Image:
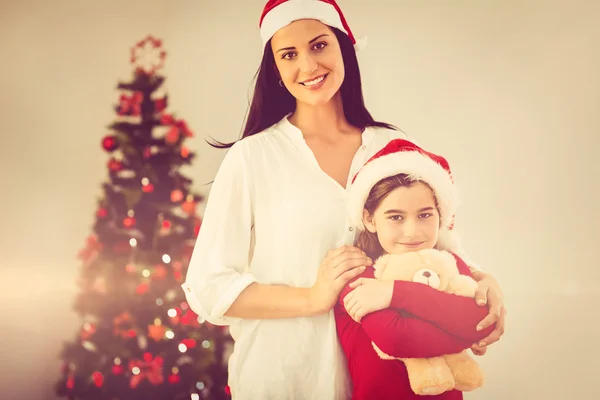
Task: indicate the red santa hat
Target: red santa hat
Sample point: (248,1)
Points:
(403,157)
(280,13)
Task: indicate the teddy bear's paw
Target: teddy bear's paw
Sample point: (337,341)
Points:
(434,389)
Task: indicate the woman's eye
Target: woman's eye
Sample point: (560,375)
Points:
(288,56)
(396,217)
(320,46)
(425,215)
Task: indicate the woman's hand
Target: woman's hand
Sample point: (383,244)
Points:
(489,293)
(368,295)
(339,266)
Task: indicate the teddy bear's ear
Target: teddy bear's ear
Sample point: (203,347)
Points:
(380,265)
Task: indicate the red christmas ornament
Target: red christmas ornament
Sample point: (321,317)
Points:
(131,333)
(142,288)
(129,222)
(109,143)
(185,152)
(70,381)
(114,165)
(98,378)
(160,104)
(166,224)
(189,207)
(174,378)
(159,272)
(131,105)
(176,196)
(189,343)
(166,119)
(102,212)
(178,276)
(149,188)
(228,390)
(117,369)
(172,136)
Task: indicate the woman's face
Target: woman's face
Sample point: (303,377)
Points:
(406,220)
(309,60)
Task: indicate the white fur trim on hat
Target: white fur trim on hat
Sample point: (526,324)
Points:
(417,166)
(293,10)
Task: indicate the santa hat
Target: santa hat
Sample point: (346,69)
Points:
(280,13)
(403,157)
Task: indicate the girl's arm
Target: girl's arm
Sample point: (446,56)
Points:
(397,335)
(455,314)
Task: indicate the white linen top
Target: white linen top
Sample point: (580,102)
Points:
(271,216)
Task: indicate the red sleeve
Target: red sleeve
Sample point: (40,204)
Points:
(455,314)
(401,336)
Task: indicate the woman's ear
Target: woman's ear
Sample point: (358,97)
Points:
(369,222)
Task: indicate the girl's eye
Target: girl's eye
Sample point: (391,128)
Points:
(396,217)
(425,215)
(288,56)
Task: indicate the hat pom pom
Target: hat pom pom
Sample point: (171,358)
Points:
(449,240)
(360,44)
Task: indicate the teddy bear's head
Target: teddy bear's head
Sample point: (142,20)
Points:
(435,268)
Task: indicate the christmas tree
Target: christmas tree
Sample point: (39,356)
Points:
(138,337)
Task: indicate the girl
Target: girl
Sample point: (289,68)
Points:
(275,250)
(402,200)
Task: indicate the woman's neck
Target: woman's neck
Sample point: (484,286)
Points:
(324,120)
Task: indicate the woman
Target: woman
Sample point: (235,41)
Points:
(275,248)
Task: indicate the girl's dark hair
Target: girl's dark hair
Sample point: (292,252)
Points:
(271,102)
(367,241)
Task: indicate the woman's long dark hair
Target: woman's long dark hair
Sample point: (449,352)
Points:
(271,102)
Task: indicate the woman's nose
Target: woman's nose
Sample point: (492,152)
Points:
(308,65)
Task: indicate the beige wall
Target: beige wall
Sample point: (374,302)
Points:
(507,90)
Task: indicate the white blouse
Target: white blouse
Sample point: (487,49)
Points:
(271,216)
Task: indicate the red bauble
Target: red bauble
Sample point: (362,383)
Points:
(189,343)
(142,288)
(109,143)
(176,196)
(117,369)
(149,188)
(174,378)
(228,390)
(114,165)
(129,222)
(172,136)
(185,152)
(98,378)
(166,119)
(102,212)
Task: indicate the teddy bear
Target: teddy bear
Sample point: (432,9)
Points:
(438,269)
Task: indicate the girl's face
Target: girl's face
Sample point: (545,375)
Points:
(309,60)
(406,220)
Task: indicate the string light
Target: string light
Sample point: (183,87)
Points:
(132,242)
(146,273)
(195,396)
(206,344)
(166,258)
(159,302)
(200,385)
(172,313)
(169,334)
(182,347)
(145,181)
(135,370)
(117,361)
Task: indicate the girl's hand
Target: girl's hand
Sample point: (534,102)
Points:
(337,269)
(368,295)
(489,293)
